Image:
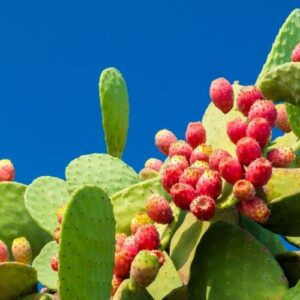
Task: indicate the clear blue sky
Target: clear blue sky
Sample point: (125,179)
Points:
(52,52)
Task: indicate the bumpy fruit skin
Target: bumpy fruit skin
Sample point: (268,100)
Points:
(147,173)
(180,148)
(170,176)
(160,256)
(243,190)
(200,164)
(56,234)
(191,175)
(115,283)
(263,109)
(7,170)
(60,213)
(21,250)
(281,157)
(216,157)
(154,164)
(163,140)
(221,94)
(120,239)
(231,170)
(210,184)
(203,207)
(182,195)
(130,246)
(282,121)
(4,253)
(236,129)
(54,263)
(255,209)
(201,152)
(159,209)
(139,219)
(246,97)
(147,237)
(195,134)
(247,150)
(260,130)
(259,172)
(144,269)
(178,161)
(295,56)
(122,264)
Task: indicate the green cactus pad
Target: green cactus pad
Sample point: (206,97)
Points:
(102,170)
(43,197)
(46,275)
(15,221)
(293,293)
(230,264)
(115,110)
(36,296)
(286,140)
(293,116)
(179,293)
(16,280)
(133,199)
(166,280)
(294,240)
(87,245)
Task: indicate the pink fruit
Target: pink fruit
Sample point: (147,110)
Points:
(160,256)
(247,150)
(21,250)
(154,164)
(216,157)
(7,170)
(231,169)
(147,237)
(182,195)
(170,176)
(130,246)
(236,129)
(282,121)
(122,264)
(191,176)
(255,209)
(201,152)
(259,172)
(163,140)
(178,161)
(247,96)
(115,283)
(54,263)
(243,190)
(281,157)
(139,219)
(203,207)
(201,165)
(180,148)
(195,134)
(221,94)
(159,209)
(295,56)
(209,184)
(4,253)
(260,130)
(120,239)
(263,109)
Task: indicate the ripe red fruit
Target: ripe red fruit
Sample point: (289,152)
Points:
(203,207)
(259,172)
(281,157)
(180,148)
(221,94)
(282,121)
(140,218)
(260,130)
(247,150)
(210,184)
(54,263)
(255,209)
(160,255)
(263,109)
(178,161)
(201,152)
(195,134)
(147,237)
(154,164)
(216,157)
(120,239)
(182,195)
(159,209)
(236,129)
(7,170)
(200,164)
(163,140)
(130,246)
(122,264)
(295,56)
(243,190)
(191,176)
(4,253)
(246,97)
(115,283)
(170,176)
(231,169)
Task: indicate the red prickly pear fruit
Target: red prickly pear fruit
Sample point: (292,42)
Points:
(21,250)
(263,109)
(247,150)
(243,190)
(216,157)
(170,176)
(259,172)
(255,209)
(139,219)
(260,130)
(154,164)
(281,157)
(201,152)
(160,256)
(163,140)
(221,94)
(180,148)
(209,184)
(60,213)
(147,173)
(159,209)
(4,253)
(231,169)
(120,239)
(56,234)
(115,283)
(191,176)
(147,237)
(130,246)
(7,170)
(203,207)
(200,164)
(295,56)
(178,161)
(282,121)
(195,134)
(122,264)
(54,263)
(182,195)
(246,97)
(236,129)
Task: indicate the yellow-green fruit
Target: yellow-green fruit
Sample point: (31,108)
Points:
(21,250)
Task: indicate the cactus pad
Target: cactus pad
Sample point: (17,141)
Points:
(43,197)
(293,116)
(87,245)
(294,240)
(286,140)
(115,110)
(179,293)
(293,293)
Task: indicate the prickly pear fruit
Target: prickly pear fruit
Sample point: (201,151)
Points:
(139,219)
(160,256)
(178,161)
(209,184)
(281,157)
(195,134)
(4,253)
(7,170)
(221,94)
(120,239)
(216,157)
(263,109)
(56,234)
(147,237)
(21,250)
(203,207)
(236,129)
(180,148)
(247,150)
(170,176)
(154,164)
(295,56)
(200,164)
(163,140)
(130,246)
(159,209)
(122,264)
(182,195)
(60,213)
(147,173)
(202,152)
(243,190)
(231,169)
(115,283)
(191,175)
(282,121)
(259,172)
(54,263)
(260,130)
